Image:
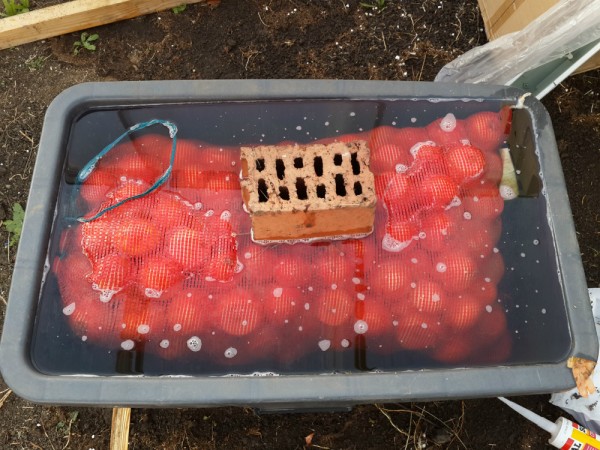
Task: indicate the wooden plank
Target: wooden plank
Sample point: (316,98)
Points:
(591,64)
(74,16)
(119,434)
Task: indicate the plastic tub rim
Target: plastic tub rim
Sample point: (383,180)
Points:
(278,391)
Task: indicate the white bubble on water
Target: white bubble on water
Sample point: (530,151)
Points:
(356,280)
(413,119)
(152,293)
(164,343)
(435,297)
(414,150)
(247,255)
(194,343)
(536,242)
(209,213)
(507,192)
(307,306)
(467,215)
(127,345)
(413,285)
(424,325)
(277,292)
(143,329)
(361,327)
(448,123)
(414,260)
(543,310)
(177,327)
(69,309)
(401,168)
(326,124)
(456,201)
(395,323)
(310,289)
(495,250)
(352,114)
(523,255)
(441,267)
(84,338)
(422,235)
(488,308)
(324,344)
(225,215)
(188,295)
(230,352)
(334,287)
(345,343)
(298,128)
(360,296)
(105,294)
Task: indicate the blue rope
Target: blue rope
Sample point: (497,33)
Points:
(86,171)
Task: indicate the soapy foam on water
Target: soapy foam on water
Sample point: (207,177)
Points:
(194,343)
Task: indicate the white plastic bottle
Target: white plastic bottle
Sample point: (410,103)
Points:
(564,433)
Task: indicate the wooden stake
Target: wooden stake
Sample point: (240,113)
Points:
(74,16)
(119,434)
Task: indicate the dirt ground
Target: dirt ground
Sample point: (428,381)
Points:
(408,40)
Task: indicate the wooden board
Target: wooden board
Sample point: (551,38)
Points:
(119,434)
(74,16)
(501,17)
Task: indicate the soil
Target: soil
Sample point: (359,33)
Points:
(408,40)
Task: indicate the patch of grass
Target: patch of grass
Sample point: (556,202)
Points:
(179,9)
(15,225)
(85,42)
(14,7)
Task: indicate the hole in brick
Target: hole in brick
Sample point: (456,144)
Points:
(355,164)
(340,185)
(337,159)
(280,169)
(318,163)
(298,163)
(260,164)
(301,192)
(357,188)
(263,192)
(284,193)
(321,191)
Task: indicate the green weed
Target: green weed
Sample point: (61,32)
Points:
(14,7)
(85,41)
(179,9)
(375,4)
(34,63)
(15,225)
(65,428)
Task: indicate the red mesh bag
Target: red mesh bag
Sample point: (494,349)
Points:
(172,268)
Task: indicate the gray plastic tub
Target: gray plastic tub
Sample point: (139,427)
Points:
(564,329)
